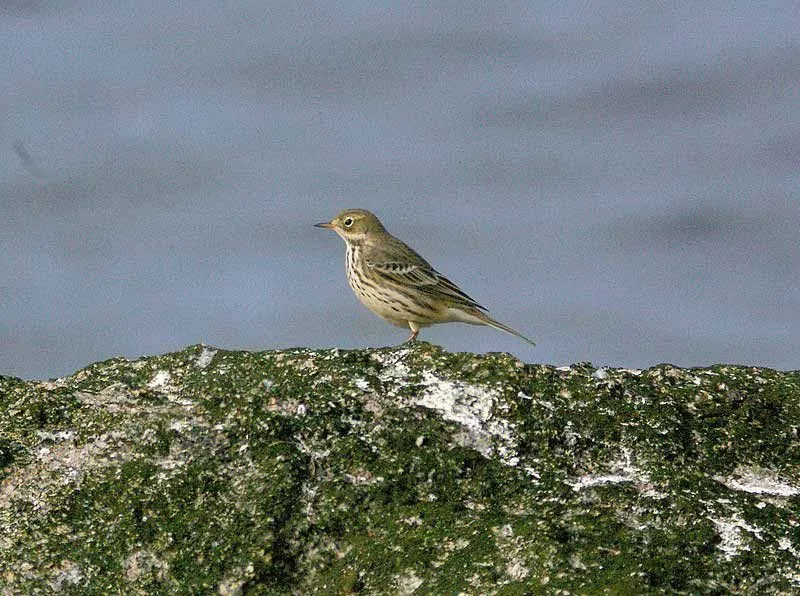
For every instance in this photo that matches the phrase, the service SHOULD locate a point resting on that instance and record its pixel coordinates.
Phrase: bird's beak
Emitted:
(324, 224)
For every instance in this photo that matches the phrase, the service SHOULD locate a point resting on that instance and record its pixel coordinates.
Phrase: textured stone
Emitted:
(404, 470)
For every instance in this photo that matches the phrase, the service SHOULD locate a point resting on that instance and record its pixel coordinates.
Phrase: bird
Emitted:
(397, 284)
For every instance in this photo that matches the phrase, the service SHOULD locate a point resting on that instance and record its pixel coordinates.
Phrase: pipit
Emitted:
(397, 284)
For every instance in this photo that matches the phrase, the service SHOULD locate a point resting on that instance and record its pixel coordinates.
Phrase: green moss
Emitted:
(373, 471)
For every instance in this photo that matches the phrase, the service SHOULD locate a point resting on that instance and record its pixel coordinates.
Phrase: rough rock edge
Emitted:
(126, 406)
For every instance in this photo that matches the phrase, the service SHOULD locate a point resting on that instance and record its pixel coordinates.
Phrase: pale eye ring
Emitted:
(348, 222)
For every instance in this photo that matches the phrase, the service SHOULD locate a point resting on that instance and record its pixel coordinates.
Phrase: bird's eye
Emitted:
(348, 222)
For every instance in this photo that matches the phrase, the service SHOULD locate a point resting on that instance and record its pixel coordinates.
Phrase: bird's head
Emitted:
(354, 225)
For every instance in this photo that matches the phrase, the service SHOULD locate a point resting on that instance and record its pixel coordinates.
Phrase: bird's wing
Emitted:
(407, 268)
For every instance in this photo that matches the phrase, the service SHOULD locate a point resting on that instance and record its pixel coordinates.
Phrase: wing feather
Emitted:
(405, 267)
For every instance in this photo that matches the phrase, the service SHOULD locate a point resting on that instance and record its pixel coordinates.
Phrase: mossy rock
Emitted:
(403, 470)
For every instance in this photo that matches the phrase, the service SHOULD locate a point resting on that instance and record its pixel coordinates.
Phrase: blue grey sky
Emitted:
(617, 180)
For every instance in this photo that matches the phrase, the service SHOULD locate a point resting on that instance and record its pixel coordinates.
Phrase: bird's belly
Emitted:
(382, 306)
(396, 308)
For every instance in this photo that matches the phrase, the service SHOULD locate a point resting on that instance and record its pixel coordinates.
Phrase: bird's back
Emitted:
(398, 263)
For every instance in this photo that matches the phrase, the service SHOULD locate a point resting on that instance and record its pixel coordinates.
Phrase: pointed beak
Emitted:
(324, 224)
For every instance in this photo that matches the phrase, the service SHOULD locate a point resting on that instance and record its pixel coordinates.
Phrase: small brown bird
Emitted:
(397, 284)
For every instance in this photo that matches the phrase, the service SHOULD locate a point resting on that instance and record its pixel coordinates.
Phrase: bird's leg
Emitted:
(414, 332)
(411, 338)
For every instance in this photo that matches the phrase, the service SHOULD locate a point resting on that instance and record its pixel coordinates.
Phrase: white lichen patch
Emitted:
(206, 356)
(181, 426)
(394, 366)
(590, 480)
(516, 569)
(362, 477)
(786, 544)
(622, 470)
(361, 383)
(57, 436)
(601, 374)
(732, 535)
(169, 464)
(161, 380)
(471, 407)
(164, 382)
(52, 384)
(758, 481)
(57, 466)
(793, 575)
(407, 583)
(309, 364)
(289, 407)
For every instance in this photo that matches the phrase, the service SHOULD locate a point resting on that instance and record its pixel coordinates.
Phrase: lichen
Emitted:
(407, 470)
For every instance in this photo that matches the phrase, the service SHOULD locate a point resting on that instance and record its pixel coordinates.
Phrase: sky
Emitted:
(618, 181)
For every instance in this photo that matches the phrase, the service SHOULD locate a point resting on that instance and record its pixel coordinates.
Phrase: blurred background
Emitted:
(617, 180)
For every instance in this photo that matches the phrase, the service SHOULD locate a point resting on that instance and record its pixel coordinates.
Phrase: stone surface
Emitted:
(398, 471)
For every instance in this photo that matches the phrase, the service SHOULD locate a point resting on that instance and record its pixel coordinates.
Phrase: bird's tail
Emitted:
(474, 316)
